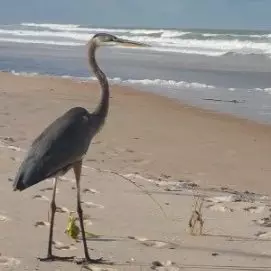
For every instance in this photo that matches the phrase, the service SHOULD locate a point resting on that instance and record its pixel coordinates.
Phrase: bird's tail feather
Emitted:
(18, 183)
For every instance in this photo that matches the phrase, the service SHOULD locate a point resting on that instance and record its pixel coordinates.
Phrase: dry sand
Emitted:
(172, 150)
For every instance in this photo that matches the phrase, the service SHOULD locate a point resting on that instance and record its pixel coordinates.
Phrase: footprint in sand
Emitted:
(49, 189)
(141, 161)
(40, 224)
(90, 190)
(14, 148)
(9, 139)
(65, 179)
(4, 218)
(90, 204)
(16, 159)
(8, 261)
(88, 222)
(158, 244)
(62, 210)
(40, 197)
(60, 246)
(138, 238)
(153, 243)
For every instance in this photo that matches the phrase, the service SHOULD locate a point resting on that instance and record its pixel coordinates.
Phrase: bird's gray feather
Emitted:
(60, 145)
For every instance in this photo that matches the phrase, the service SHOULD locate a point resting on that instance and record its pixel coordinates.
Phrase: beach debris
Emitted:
(225, 101)
(156, 263)
(263, 234)
(236, 196)
(254, 209)
(219, 208)
(220, 199)
(72, 229)
(165, 266)
(196, 220)
(42, 224)
(264, 222)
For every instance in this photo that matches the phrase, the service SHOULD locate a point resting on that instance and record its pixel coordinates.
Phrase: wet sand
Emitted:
(173, 150)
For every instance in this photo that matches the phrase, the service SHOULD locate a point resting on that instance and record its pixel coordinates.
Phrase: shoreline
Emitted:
(162, 136)
(145, 91)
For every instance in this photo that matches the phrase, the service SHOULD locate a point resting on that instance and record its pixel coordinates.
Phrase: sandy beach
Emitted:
(170, 149)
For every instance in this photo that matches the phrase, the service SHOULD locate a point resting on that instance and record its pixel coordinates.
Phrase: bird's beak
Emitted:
(129, 43)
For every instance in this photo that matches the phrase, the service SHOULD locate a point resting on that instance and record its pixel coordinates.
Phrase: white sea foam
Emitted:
(171, 34)
(165, 83)
(164, 40)
(48, 42)
(53, 26)
(267, 90)
(155, 82)
(146, 82)
(217, 45)
(28, 74)
(164, 44)
(164, 32)
(32, 33)
(72, 27)
(171, 84)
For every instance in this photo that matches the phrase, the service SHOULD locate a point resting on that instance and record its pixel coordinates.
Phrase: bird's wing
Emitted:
(61, 144)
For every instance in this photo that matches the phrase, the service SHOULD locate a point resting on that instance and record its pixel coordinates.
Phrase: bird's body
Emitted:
(63, 144)
(58, 147)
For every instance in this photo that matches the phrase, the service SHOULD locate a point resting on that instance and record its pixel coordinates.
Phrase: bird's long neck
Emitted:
(102, 108)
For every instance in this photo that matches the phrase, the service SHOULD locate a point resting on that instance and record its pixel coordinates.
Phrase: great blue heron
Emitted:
(63, 144)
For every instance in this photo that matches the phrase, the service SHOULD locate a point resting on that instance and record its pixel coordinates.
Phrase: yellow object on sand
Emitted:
(73, 230)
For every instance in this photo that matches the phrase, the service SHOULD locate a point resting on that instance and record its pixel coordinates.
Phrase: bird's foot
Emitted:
(88, 260)
(51, 258)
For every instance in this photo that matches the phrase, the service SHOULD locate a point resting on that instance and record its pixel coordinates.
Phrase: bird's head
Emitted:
(105, 39)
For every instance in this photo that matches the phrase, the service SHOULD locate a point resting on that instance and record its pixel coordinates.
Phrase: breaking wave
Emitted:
(118, 80)
(197, 42)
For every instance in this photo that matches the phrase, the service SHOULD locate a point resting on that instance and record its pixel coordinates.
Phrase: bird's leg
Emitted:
(50, 256)
(77, 167)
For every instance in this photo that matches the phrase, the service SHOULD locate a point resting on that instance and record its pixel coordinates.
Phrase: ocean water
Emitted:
(224, 70)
